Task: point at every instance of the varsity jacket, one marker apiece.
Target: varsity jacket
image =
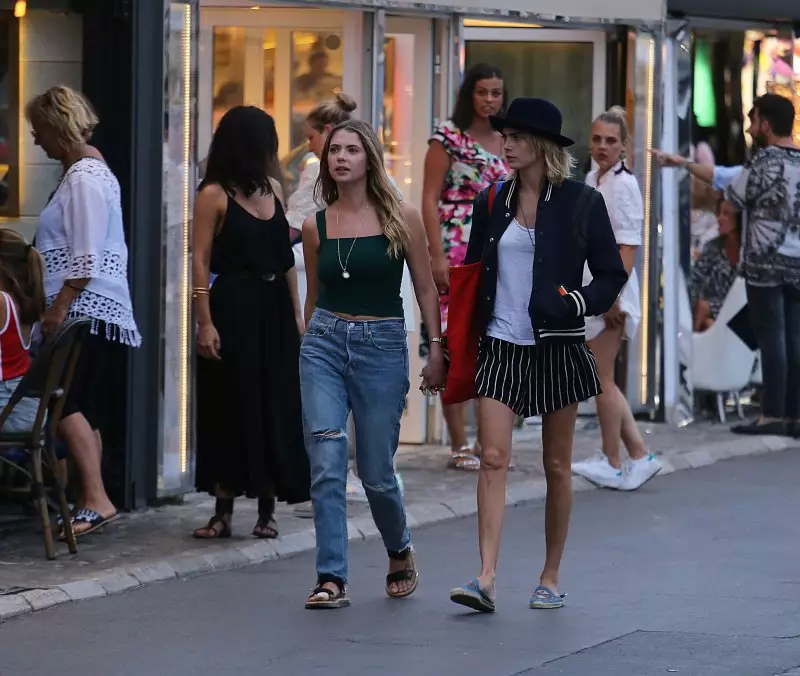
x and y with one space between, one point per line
559 301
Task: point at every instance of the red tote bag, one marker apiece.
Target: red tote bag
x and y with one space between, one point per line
462 326
462 334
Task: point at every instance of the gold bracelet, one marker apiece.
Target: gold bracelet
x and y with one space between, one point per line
199 292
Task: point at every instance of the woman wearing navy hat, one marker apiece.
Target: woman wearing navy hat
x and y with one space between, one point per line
533 234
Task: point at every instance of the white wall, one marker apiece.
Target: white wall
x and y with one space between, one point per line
51 53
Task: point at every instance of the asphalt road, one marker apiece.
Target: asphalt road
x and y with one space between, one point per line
697 575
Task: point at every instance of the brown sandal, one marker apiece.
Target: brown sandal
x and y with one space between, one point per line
211 532
407 574
265 529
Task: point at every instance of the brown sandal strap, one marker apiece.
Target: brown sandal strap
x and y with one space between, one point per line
224 532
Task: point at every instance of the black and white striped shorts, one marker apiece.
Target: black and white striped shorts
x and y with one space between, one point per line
536 379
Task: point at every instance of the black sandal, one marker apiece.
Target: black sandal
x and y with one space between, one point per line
223 511
266 528
408 574
323 598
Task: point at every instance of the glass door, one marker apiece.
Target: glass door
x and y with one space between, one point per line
407 123
566 66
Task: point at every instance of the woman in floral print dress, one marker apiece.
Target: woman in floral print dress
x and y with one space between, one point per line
464 157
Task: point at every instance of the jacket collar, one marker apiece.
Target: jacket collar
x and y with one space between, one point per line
498 224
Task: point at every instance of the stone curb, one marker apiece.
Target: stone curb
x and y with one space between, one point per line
199 562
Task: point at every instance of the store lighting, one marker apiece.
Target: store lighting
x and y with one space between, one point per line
184 388
20 8
648 184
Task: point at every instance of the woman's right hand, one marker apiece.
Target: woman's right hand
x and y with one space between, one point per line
440 267
208 341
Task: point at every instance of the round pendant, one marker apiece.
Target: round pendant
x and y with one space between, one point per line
345 274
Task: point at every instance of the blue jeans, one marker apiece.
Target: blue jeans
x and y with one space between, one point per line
360 367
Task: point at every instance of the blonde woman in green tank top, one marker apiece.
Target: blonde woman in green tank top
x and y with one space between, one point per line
354 355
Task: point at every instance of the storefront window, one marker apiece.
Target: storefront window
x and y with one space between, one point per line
317 75
9 103
244 69
180 106
559 71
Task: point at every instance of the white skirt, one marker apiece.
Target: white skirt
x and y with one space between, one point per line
629 303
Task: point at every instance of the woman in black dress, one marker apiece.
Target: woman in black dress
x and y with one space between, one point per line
249 421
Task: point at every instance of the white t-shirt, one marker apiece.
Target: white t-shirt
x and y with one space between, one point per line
510 320
623 199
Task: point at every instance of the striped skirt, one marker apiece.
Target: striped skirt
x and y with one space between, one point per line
536 379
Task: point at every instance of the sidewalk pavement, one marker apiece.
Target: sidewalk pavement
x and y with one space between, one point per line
156 545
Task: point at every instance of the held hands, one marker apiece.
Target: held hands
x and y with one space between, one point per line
440 267
434 374
208 341
615 317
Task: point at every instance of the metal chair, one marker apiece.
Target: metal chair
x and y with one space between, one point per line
48 379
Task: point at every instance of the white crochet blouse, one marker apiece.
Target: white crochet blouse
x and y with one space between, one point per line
80 235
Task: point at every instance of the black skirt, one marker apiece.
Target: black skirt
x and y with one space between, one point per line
249 418
536 379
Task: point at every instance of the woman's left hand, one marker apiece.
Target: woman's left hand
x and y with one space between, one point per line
53 317
434 374
614 317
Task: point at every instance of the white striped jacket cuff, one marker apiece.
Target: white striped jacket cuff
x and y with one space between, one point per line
580 303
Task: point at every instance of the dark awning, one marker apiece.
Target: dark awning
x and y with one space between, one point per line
762 10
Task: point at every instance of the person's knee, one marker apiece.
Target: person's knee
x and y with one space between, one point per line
557 467
494 458
325 453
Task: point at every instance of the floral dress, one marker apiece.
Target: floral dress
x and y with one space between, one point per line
472 169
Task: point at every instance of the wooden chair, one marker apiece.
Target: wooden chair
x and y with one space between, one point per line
48 379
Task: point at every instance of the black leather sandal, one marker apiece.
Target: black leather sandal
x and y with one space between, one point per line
408 574
323 598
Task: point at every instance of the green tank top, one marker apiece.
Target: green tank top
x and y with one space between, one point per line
370 283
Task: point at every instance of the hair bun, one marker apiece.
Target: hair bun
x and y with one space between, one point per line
346 103
617 111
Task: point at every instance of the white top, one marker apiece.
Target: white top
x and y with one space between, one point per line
623 199
302 205
510 320
80 235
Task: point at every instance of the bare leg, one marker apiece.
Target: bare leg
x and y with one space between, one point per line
616 420
496 427
558 430
456 427
83 443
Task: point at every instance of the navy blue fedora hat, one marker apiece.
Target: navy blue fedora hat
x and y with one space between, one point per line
538 117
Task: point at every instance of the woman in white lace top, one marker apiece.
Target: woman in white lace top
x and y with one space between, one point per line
81 239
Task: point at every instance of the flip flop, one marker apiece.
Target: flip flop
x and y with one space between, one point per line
472 596
94 519
544 599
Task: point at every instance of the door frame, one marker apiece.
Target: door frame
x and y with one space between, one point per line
598 39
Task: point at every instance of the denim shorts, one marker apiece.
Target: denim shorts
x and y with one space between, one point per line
24 413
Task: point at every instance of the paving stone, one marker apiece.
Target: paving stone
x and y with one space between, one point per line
465 506
526 492
13 605
83 589
227 559
258 552
117 582
699 459
45 598
366 526
777 443
191 564
294 543
429 512
353 533
157 572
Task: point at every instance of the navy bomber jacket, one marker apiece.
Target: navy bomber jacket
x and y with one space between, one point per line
559 260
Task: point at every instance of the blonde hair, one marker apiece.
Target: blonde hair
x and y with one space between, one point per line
380 191
618 116
65 111
558 161
332 112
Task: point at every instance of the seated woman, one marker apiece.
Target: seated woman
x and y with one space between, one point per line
714 272
22 305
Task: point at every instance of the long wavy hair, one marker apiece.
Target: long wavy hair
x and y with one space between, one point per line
22 276
380 191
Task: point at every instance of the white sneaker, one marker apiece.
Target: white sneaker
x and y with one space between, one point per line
580 467
638 472
600 473
355 491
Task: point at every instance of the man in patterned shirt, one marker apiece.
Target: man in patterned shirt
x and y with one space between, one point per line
768 192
